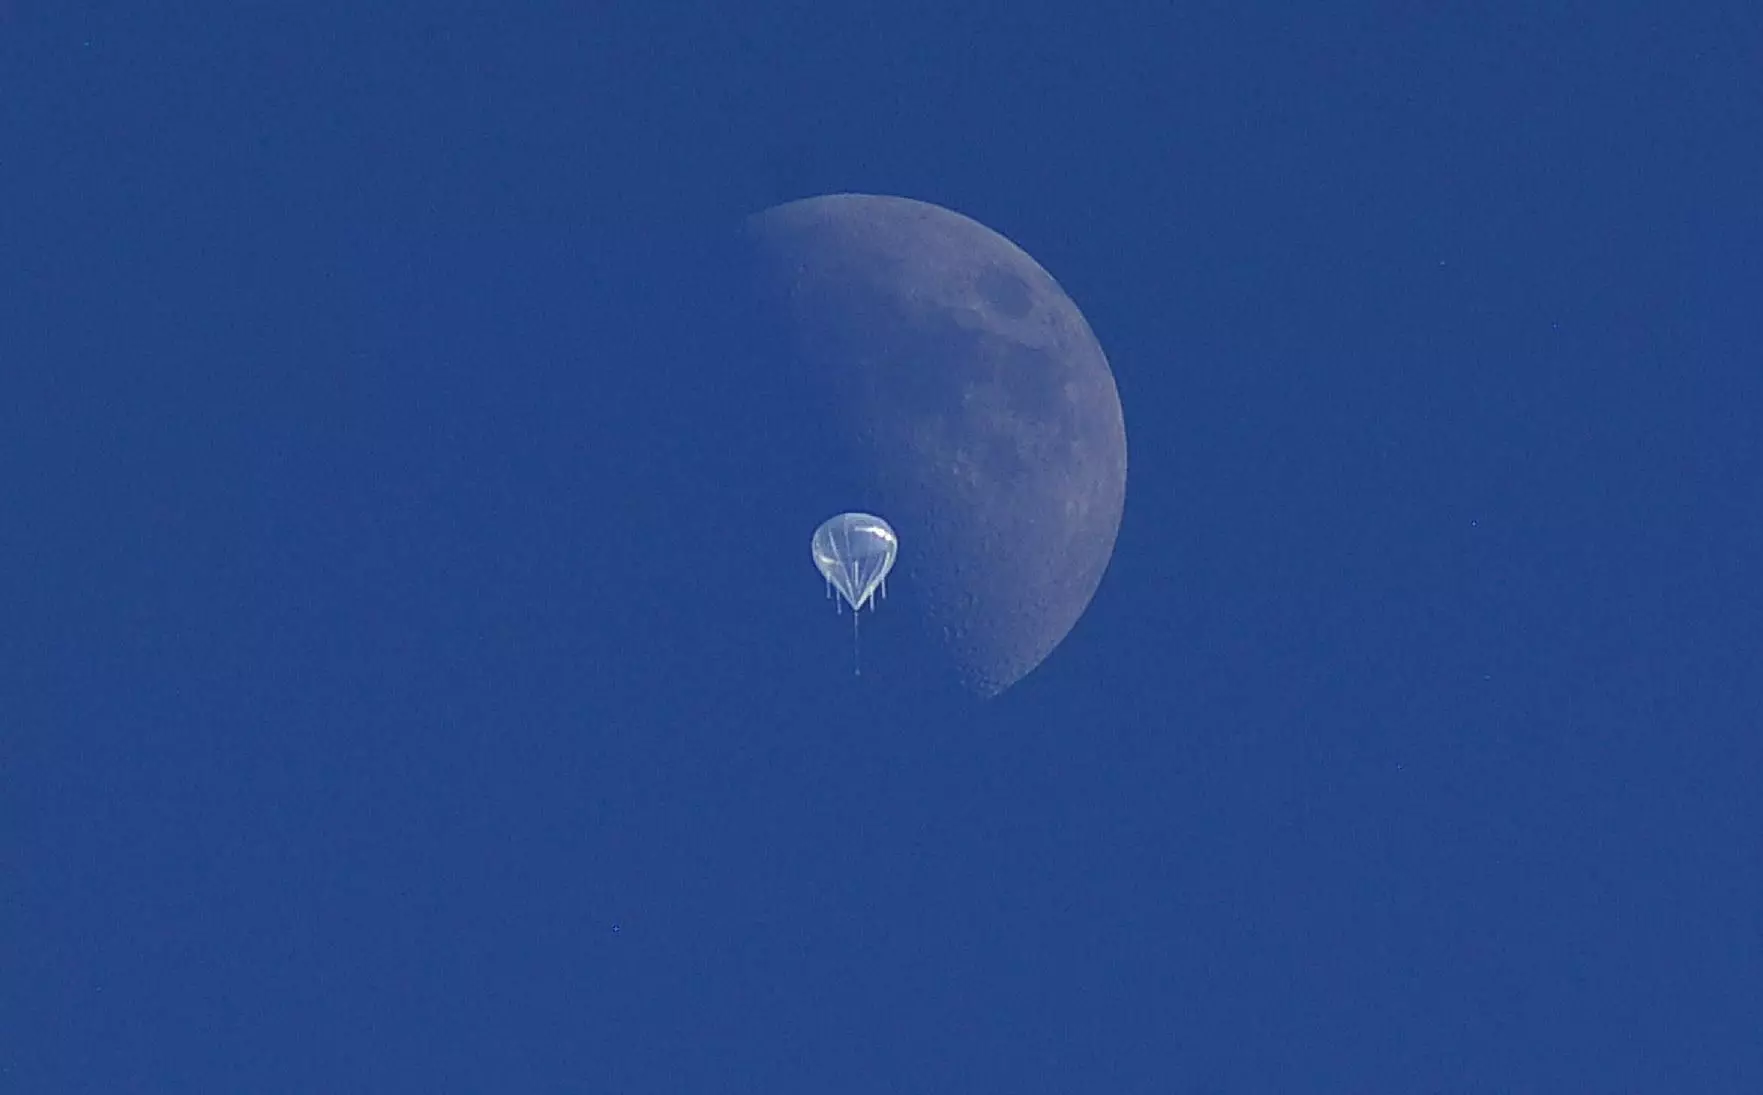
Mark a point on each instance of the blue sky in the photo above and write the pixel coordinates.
(412, 676)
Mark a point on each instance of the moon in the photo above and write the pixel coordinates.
(977, 406)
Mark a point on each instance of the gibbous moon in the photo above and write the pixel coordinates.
(979, 410)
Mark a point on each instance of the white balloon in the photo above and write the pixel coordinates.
(854, 552)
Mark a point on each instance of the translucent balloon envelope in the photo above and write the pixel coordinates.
(854, 552)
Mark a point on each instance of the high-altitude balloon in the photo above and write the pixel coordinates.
(854, 552)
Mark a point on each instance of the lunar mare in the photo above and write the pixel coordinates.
(978, 406)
